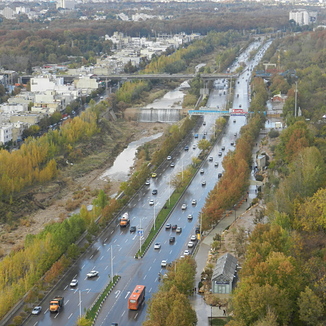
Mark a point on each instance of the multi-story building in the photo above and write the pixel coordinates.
(303, 17)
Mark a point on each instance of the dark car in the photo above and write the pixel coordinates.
(132, 229)
(186, 148)
(172, 240)
(174, 227)
(219, 175)
(154, 192)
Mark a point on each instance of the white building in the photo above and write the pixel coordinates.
(13, 107)
(5, 133)
(303, 17)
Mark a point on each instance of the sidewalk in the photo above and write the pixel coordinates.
(203, 310)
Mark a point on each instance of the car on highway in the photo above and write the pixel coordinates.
(167, 226)
(219, 153)
(171, 239)
(190, 244)
(186, 148)
(157, 245)
(219, 175)
(193, 238)
(36, 310)
(73, 283)
(234, 121)
(151, 202)
(178, 230)
(154, 175)
(232, 143)
(204, 123)
(201, 171)
(190, 217)
(172, 165)
(154, 192)
(184, 206)
(196, 135)
(147, 183)
(203, 183)
(92, 274)
(194, 202)
(210, 159)
(194, 146)
(164, 263)
(169, 158)
(186, 252)
(174, 227)
(132, 229)
(216, 163)
(223, 148)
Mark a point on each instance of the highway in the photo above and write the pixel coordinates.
(114, 250)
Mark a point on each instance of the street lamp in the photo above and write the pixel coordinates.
(80, 301)
(211, 315)
(112, 275)
(154, 215)
(235, 212)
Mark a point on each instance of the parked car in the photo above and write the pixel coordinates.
(190, 244)
(92, 274)
(186, 252)
(157, 245)
(73, 283)
(36, 310)
(193, 238)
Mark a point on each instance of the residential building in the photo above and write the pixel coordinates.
(5, 133)
(303, 17)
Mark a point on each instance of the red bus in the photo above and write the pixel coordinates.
(136, 297)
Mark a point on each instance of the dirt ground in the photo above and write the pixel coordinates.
(34, 223)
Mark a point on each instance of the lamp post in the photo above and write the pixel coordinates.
(154, 216)
(211, 315)
(112, 275)
(80, 301)
(235, 212)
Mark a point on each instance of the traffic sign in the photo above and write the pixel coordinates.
(140, 232)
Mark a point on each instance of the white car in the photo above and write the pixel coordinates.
(190, 244)
(178, 230)
(184, 206)
(216, 163)
(186, 252)
(164, 263)
(169, 158)
(36, 310)
(201, 171)
(210, 158)
(151, 202)
(73, 283)
(194, 202)
(157, 245)
(190, 217)
(203, 183)
(92, 274)
(194, 146)
(219, 153)
(193, 238)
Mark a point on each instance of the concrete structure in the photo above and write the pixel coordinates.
(224, 274)
(28, 118)
(5, 133)
(303, 17)
(86, 84)
(13, 107)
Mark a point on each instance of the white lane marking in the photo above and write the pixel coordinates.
(144, 277)
(127, 294)
(101, 257)
(117, 293)
(136, 316)
(70, 315)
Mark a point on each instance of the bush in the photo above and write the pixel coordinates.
(273, 133)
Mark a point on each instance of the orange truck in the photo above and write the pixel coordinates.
(56, 304)
(124, 220)
(137, 297)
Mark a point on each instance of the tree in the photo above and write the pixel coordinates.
(312, 310)
(204, 144)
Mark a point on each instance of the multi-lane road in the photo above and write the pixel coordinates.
(114, 251)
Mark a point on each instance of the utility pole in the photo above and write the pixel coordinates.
(296, 99)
